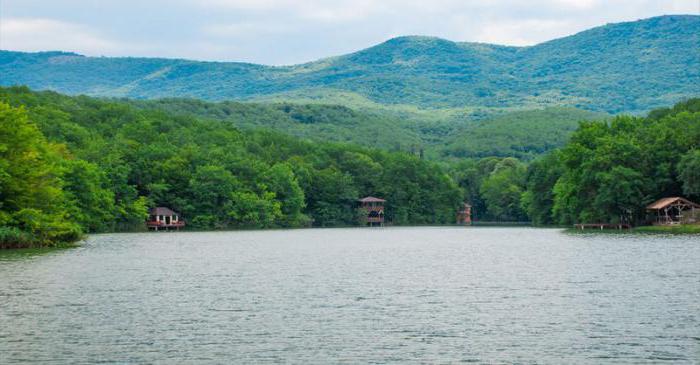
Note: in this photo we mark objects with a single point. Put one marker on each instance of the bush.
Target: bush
(11, 237)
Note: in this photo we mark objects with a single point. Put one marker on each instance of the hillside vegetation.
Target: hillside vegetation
(610, 171)
(318, 122)
(522, 134)
(625, 67)
(70, 165)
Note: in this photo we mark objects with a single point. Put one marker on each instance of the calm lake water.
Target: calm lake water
(392, 295)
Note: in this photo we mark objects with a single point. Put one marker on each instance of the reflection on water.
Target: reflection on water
(401, 295)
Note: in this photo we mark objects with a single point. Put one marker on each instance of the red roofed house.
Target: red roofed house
(675, 210)
(375, 210)
(163, 218)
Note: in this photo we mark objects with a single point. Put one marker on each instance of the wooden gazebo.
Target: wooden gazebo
(162, 218)
(675, 210)
(464, 215)
(375, 210)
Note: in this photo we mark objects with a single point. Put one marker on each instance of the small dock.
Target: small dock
(601, 226)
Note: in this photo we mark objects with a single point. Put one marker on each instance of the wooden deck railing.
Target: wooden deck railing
(163, 224)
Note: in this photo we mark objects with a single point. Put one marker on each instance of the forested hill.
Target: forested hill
(522, 134)
(624, 67)
(79, 164)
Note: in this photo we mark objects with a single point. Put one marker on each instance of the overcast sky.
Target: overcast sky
(294, 31)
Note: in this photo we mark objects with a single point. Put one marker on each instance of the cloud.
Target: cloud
(522, 33)
(294, 31)
(316, 10)
(36, 34)
(579, 4)
(244, 29)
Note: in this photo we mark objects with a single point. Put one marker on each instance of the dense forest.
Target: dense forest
(71, 165)
(609, 171)
(78, 164)
(521, 134)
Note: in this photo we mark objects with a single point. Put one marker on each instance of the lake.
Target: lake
(388, 295)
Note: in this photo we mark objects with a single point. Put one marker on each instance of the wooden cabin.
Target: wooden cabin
(161, 218)
(674, 210)
(375, 210)
(464, 216)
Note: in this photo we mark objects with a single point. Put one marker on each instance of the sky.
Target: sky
(282, 32)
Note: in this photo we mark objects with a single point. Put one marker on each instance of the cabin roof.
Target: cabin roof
(665, 202)
(371, 199)
(161, 211)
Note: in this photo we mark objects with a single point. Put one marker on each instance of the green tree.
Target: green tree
(248, 210)
(212, 189)
(538, 199)
(280, 180)
(332, 198)
(31, 194)
(689, 173)
(502, 190)
(92, 199)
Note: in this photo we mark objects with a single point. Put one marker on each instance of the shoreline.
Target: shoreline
(27, 251)
(642, 230)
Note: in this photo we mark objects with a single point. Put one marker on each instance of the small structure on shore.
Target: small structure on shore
(375, 210)
(602, 226)
(161, 218)
(464, 216)
(674, 210)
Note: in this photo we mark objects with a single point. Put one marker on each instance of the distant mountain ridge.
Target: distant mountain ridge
(622, 67)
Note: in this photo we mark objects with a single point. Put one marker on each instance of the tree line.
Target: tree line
(77, 164)
(608, 171)
(70, 165)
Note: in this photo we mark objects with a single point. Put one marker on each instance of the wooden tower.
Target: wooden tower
(375, 210)
(464, 216)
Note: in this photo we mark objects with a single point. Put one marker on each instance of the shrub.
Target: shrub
(12, 237)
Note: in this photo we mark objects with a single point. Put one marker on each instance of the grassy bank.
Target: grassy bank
(13, 238)
(680, 229)
(23, 253)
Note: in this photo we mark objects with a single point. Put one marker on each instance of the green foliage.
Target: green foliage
(314, 121)
(676, 229)
(88, 190)
(522, 134)
(32, 198)
(249, 210)
(281, 181)
(610, 171)
(13, 237)
(538, 199)
(502, 190)
(124, 159)
(689, 173)
(631, 67)
(493, 186)
(332, 197)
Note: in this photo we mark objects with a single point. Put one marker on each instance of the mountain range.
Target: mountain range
(424, 95)
(622, 67)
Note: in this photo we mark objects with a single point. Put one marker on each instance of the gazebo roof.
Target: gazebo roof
(665, 202)
(161, 211)
(371, 199)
